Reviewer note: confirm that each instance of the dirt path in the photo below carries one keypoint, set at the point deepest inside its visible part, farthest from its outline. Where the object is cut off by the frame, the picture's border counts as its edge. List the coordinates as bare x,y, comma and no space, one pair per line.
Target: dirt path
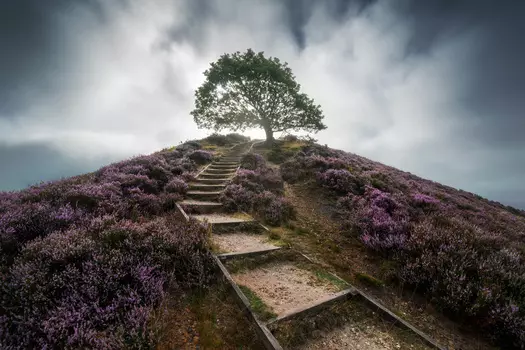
353,336
241,242
284,286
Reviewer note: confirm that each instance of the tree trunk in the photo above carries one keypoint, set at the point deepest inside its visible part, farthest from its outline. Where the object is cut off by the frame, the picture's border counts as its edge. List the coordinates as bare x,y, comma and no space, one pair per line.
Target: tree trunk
269,136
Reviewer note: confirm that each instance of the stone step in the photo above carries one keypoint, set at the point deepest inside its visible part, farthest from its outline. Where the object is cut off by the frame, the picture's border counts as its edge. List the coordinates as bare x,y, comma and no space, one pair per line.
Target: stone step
219,171
230,159
220,166
299,282
207,187
317,305
203,195
215,219
235,164
221,181
191,206
206,175
240,244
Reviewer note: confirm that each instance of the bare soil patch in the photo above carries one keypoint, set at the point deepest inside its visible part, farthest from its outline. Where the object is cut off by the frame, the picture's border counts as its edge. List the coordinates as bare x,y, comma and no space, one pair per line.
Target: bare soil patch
284,286
241,242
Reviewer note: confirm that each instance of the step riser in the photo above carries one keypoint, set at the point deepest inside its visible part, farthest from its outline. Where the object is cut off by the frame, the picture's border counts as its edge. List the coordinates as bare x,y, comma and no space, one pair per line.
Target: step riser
232,164
250,226
230,170
215,176
219,171
202,209
204,196
223,167
213,181
207,187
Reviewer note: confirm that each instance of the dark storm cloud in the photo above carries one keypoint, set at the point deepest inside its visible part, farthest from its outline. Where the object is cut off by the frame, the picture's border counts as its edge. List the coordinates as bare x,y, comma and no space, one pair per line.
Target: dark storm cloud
299,12
19,164
34,58
495,78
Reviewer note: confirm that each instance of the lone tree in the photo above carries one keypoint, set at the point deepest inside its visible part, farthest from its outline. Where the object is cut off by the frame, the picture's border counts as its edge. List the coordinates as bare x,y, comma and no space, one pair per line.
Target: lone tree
246,90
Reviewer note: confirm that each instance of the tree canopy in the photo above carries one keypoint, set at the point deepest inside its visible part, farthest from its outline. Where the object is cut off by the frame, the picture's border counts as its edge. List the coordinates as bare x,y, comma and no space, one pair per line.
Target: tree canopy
248,90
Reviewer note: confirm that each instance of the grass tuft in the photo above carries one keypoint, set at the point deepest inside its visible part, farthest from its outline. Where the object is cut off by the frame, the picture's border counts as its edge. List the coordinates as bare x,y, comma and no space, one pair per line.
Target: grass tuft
369,280
326,276
257,305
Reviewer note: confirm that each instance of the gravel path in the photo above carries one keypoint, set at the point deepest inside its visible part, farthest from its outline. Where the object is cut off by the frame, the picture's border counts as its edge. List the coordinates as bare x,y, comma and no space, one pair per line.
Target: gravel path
241,242
284,286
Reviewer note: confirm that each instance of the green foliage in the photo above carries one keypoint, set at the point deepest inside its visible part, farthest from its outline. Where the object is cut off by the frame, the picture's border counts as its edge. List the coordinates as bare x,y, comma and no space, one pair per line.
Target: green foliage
279,155
256,303
246,90
369,280
328,277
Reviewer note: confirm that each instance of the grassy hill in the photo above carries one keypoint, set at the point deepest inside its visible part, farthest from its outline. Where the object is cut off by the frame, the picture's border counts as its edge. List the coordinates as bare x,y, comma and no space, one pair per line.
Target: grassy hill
101,260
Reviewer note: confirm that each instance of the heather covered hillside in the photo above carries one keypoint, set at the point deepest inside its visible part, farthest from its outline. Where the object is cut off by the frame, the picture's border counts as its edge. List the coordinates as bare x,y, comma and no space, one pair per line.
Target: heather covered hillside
463,252
86,262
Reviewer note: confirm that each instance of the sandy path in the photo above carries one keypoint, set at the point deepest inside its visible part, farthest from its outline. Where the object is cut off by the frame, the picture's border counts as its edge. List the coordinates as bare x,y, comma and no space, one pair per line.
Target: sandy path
241,242
370,337
284,286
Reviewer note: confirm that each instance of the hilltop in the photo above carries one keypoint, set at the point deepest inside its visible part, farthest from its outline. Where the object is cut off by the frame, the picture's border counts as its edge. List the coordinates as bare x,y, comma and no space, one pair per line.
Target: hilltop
123,257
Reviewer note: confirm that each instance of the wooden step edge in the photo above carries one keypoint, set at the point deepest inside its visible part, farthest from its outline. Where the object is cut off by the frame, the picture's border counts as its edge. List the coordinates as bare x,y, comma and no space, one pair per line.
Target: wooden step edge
269,341
398,321
233,255
317,305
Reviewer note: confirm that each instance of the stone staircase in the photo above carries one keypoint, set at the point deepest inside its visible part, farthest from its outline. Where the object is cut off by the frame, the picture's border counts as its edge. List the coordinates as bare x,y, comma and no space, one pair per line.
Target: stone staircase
202,202
288,282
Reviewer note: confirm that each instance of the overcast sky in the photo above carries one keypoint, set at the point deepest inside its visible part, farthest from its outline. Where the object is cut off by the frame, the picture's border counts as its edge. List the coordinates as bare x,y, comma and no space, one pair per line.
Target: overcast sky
433,87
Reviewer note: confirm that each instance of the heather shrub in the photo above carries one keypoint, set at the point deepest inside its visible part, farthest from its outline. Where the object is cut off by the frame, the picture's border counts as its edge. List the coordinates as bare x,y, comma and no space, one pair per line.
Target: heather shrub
341,181
237,138
201,157
218,139
97,287
290,138
27,221
273,209
127,189
303,167
229,139
294,170
279,155
465,252
259,190
469,273
260,180
252,161
177,185
189,146
237,197
382,220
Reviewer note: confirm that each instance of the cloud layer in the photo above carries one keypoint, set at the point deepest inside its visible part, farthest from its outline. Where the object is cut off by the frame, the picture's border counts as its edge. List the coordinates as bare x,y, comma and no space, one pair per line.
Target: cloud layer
437,90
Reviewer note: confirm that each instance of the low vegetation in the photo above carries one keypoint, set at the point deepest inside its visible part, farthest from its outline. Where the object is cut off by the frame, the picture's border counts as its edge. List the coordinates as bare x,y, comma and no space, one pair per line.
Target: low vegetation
258,189
84,262
257,304
463,252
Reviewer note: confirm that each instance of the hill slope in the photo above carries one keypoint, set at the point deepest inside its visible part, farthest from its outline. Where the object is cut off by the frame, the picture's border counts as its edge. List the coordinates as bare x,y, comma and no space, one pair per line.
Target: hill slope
463,252
101,261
